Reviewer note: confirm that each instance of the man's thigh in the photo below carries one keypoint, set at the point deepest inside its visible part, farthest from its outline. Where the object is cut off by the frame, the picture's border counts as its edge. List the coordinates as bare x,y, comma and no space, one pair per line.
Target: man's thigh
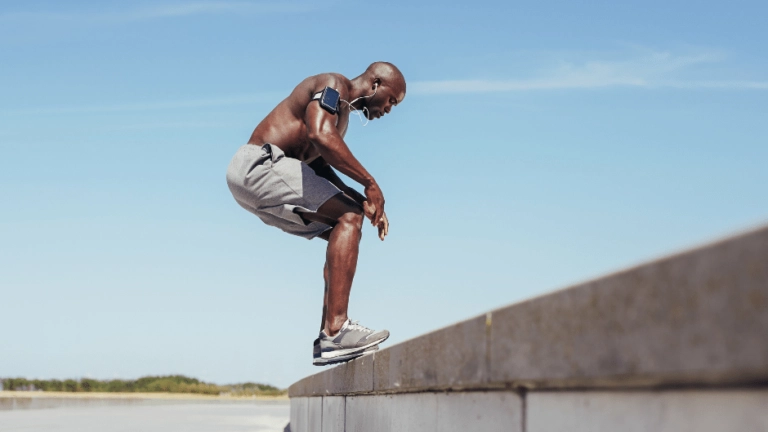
333,209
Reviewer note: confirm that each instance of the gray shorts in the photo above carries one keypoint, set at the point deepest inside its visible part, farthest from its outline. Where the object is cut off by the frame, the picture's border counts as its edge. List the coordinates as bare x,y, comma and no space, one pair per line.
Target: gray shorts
273,187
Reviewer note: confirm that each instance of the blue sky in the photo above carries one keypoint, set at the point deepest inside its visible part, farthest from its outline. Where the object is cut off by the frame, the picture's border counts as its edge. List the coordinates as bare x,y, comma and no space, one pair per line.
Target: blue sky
539,145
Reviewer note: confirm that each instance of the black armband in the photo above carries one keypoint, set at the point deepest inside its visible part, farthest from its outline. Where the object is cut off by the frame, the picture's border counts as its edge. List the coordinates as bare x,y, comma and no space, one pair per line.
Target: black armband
329,99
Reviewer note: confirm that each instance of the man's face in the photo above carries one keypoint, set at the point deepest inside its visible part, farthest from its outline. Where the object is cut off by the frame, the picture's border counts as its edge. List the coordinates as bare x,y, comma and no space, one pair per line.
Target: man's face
384,100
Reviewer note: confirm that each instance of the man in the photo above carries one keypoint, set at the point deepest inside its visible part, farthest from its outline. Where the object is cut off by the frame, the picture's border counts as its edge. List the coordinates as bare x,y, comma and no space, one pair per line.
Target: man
285,176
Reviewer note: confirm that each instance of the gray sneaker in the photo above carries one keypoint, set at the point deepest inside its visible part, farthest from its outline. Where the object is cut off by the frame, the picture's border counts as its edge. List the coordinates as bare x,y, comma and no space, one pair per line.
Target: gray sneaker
318,360
352,338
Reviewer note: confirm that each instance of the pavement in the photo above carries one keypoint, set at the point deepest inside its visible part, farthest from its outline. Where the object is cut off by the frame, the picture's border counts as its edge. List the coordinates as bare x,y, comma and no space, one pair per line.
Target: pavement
151,416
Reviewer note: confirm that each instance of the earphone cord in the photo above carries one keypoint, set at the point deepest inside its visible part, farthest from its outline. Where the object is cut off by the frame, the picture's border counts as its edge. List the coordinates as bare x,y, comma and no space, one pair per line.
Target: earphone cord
357,111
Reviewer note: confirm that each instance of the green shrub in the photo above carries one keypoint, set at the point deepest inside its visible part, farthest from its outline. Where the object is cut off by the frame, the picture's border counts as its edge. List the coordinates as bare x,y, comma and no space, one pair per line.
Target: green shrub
148,384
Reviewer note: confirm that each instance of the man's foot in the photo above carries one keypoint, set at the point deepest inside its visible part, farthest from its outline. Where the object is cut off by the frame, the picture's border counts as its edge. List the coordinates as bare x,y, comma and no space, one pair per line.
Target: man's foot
318,360
352,338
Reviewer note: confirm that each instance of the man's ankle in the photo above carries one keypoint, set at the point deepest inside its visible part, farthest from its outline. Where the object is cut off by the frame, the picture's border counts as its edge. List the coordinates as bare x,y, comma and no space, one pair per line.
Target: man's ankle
333,328
331,332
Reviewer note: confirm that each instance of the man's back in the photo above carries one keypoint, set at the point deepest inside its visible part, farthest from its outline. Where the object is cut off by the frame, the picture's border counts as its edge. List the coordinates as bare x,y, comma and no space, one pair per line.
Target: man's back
285,125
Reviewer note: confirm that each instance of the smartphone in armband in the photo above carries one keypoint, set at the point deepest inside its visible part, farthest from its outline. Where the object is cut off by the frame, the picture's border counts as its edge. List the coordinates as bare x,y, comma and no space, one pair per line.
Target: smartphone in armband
329,99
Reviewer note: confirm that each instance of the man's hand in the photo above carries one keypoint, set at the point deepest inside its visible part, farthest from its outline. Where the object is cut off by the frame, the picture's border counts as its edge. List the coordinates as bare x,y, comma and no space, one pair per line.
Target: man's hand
375,199
383,226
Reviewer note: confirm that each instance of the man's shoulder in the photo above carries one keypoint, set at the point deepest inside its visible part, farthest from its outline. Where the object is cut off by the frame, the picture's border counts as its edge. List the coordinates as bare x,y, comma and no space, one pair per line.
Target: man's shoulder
330,79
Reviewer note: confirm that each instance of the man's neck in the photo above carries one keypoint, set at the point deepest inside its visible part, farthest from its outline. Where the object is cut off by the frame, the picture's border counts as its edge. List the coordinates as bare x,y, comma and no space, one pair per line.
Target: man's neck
359,89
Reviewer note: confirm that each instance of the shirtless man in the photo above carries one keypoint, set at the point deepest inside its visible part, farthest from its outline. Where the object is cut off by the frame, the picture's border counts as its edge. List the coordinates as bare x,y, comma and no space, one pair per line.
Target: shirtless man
285,176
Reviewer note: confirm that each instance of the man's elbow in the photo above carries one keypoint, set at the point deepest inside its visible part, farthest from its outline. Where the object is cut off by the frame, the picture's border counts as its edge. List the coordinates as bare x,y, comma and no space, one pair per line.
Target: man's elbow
321,139
314,135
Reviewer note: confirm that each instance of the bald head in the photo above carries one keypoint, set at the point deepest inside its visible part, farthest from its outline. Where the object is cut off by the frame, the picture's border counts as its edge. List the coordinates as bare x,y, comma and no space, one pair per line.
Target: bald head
388,75
386,72
388,85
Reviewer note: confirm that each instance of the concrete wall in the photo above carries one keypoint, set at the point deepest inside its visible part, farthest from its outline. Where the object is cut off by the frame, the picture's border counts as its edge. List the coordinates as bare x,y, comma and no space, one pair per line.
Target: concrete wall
711,410
680,343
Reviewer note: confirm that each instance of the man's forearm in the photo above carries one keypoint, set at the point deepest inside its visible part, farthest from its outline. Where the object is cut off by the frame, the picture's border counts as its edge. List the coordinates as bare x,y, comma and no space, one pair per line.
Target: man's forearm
335,152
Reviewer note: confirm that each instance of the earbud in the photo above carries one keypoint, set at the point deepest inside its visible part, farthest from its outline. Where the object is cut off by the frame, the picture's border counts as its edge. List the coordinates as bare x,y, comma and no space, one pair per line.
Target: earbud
355,110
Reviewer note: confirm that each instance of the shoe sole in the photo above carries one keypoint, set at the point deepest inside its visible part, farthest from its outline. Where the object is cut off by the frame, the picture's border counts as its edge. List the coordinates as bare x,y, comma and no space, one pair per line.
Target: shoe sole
319,361
341,359
359,350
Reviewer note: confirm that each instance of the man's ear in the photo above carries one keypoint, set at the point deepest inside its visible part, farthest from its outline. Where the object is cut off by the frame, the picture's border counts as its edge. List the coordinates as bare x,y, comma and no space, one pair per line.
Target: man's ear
376,83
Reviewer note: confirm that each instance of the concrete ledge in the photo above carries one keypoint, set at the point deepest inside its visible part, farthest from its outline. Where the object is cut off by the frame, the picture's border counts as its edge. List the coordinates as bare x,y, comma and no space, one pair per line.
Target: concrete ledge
347,378
698,317
695,318
453,357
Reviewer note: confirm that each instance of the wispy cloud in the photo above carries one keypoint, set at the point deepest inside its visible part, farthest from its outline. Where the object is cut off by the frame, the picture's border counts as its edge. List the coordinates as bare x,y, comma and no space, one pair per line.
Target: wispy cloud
167,10
195,8
651,70
168,125
232,100
726,85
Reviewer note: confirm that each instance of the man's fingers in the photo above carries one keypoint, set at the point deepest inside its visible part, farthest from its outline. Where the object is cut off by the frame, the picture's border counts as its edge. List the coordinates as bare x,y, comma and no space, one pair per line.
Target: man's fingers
376,220
379,214
382,232
383,226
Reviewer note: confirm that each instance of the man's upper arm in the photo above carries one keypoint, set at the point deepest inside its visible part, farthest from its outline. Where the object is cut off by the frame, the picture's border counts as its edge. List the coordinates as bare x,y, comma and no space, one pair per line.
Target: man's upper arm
322,131
321,124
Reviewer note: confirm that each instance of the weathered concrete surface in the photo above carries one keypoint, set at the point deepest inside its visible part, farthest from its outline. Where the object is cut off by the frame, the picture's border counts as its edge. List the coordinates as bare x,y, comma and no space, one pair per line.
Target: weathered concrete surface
351,377
695,410
701,316
413,412
479,411
451,357
368,413
348,378
435,412
641,411
333,413
299,414
315,415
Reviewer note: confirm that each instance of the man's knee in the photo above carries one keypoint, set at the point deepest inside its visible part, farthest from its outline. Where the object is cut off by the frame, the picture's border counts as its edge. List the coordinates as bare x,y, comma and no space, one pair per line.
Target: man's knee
353,220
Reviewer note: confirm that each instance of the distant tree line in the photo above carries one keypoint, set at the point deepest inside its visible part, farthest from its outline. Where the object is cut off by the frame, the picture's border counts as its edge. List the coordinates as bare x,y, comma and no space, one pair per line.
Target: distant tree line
148,384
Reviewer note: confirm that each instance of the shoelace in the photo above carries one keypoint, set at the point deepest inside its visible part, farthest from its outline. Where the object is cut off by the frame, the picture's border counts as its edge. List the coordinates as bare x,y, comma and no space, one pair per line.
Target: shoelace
355,326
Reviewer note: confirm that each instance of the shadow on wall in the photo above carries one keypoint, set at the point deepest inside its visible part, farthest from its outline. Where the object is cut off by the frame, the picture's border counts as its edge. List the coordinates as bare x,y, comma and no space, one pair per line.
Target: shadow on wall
287,428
